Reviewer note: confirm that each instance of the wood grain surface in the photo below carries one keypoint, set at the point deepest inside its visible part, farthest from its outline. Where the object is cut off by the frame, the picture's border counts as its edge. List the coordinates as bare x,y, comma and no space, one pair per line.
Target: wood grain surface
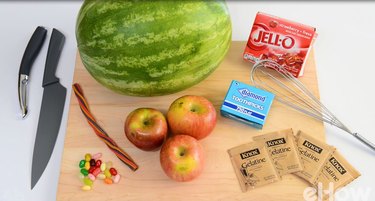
218,180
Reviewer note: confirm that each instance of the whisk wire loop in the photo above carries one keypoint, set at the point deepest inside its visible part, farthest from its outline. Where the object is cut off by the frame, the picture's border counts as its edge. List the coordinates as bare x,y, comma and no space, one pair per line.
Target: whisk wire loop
288,90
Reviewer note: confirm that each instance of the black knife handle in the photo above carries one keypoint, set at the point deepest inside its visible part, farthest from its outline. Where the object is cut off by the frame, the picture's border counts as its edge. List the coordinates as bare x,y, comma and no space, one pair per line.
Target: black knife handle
56,44
32,49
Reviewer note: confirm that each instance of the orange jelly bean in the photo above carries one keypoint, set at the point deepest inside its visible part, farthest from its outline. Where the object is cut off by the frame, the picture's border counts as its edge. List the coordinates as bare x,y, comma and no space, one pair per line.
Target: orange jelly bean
108,181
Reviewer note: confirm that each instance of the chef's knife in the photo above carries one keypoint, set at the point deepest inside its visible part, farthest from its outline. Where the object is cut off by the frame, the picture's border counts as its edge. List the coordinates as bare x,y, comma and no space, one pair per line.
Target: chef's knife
31,52
51,109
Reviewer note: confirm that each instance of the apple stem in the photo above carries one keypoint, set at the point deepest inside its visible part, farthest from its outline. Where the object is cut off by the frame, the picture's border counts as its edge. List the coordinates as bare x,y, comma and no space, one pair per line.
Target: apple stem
146,122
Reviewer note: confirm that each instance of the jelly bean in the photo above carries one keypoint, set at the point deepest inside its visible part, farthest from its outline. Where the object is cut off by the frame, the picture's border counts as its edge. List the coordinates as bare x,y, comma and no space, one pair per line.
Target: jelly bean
113,171
87,157
81,176
92,162
108,181
87,165
103,166
97,156
82,163
86,188
92,168
117,178
98,163
87,181
92,177
84,172
108,164
96,171
100,176
107,173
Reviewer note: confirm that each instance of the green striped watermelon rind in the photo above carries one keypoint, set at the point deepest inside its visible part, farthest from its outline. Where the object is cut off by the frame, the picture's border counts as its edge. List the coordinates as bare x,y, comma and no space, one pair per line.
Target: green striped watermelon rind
160,57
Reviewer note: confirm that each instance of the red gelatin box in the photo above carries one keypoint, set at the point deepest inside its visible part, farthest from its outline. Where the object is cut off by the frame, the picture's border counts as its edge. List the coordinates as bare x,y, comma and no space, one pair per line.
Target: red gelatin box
283,41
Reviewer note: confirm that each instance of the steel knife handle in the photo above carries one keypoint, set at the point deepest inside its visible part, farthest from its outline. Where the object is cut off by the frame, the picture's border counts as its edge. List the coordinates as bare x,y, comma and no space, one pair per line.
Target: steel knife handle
32,50
56,44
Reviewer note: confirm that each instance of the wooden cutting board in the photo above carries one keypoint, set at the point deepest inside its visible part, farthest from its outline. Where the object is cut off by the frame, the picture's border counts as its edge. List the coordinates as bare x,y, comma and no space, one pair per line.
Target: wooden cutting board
218,180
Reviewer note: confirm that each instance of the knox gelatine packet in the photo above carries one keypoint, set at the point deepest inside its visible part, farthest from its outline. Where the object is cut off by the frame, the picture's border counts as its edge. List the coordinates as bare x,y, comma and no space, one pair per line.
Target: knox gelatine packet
283,150
337,172
314,154
253,165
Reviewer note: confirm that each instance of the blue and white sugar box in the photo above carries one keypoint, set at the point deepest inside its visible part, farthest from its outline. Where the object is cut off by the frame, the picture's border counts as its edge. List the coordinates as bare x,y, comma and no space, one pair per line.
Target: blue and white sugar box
247,104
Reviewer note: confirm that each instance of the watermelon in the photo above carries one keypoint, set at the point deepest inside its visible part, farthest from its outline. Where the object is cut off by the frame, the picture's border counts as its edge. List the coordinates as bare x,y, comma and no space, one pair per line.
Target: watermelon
151,48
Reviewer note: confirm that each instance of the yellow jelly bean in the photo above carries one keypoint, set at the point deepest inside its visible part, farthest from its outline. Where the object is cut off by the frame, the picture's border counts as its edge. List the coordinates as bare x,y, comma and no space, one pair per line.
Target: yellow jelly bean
87,165
107,173
86,188
87,157
108,164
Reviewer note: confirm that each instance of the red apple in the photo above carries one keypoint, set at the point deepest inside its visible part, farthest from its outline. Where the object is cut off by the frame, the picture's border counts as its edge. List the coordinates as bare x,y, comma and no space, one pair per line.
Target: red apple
192,115
146,128
182,158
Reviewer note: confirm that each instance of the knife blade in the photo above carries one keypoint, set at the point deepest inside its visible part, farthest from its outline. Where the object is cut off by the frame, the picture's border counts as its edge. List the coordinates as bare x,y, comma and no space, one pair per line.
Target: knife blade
31,52
51,109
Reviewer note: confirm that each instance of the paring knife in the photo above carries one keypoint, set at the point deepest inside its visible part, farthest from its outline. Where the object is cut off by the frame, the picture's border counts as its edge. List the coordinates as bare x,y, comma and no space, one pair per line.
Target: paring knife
51,109
31,52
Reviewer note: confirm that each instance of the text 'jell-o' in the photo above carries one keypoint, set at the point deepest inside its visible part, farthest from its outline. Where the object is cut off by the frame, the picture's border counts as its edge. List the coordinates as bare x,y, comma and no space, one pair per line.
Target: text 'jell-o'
286,42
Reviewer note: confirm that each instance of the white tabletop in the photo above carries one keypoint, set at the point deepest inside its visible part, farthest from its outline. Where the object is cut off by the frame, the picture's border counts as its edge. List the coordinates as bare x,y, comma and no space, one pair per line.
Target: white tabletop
344,51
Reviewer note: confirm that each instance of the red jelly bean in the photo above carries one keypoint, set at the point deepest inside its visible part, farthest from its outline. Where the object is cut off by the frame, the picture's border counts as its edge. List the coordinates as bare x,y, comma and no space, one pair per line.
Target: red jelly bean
96,171
91,169
98,163
113,171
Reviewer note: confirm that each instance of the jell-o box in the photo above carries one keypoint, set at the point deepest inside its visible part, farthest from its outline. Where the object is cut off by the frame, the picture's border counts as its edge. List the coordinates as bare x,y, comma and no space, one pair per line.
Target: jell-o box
286,42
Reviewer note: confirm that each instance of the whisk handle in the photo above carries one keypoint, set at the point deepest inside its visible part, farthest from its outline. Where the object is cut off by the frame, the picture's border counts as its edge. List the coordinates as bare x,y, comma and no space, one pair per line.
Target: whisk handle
364,141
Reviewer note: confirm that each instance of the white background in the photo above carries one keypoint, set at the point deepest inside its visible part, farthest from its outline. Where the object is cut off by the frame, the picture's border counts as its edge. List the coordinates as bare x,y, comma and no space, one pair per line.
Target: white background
344,52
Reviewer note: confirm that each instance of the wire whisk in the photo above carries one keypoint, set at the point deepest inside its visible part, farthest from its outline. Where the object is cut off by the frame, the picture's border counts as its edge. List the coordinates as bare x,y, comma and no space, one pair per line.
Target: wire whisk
288,90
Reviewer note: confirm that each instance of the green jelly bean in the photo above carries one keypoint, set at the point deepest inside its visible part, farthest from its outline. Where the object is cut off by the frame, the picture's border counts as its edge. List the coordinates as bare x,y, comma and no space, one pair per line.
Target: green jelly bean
109,164
82,163
84,171
87,181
